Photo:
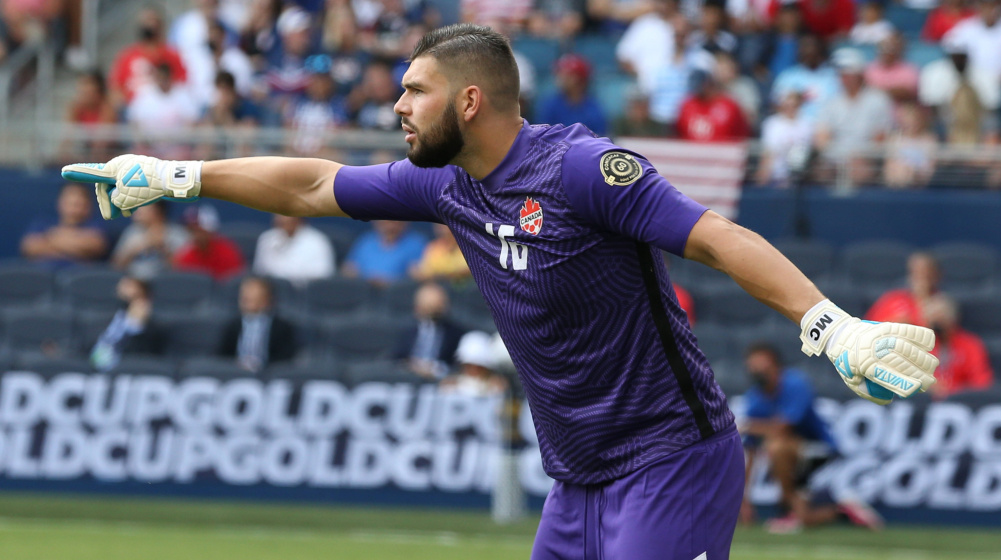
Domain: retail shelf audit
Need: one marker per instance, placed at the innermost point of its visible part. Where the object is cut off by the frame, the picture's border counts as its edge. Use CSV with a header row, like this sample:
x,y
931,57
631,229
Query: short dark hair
x,y
226,80
765,348
479,54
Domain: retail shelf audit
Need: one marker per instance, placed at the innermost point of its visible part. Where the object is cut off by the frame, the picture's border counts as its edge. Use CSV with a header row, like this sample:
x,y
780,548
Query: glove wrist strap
x,y
181,179
819,325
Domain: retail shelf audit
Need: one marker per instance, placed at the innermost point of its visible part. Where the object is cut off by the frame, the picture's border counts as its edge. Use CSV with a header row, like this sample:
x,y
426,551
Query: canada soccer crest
x,y
530,217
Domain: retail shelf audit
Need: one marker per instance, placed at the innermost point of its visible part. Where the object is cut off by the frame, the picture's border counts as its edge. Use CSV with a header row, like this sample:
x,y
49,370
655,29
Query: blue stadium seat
x,y
850,298
381,371
730,374
824,379
337,297
181,294
716,341
967,265
362,339
784,335
245,235
211,366
876,264
87,327
920,53
145,365
329,371
25,285
193,336
543,53
982,315
610,90
733,306
600,51
48,332
342,238
908,21
49,366
92,289
447,9
398,298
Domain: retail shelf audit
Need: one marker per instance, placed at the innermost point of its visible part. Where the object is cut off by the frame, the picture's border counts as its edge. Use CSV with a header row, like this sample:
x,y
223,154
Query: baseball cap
x,y
574,64
293,20
201,215
849,60
476,348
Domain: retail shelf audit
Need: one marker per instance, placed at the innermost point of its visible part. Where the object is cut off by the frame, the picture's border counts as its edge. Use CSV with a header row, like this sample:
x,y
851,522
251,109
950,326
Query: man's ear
x,y
469,102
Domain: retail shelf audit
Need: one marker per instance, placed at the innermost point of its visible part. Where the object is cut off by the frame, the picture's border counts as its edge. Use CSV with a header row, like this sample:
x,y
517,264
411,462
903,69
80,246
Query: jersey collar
x,y
496,178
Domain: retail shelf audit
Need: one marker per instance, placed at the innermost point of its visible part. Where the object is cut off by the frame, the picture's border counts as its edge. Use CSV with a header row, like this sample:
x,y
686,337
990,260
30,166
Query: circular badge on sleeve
x,y
619,168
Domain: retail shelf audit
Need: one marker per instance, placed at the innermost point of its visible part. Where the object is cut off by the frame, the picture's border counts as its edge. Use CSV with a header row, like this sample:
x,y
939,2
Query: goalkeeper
x,y
564,235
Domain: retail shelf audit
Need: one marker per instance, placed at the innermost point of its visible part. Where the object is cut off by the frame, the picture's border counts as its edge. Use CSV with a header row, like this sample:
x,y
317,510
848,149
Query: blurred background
x,y
205,380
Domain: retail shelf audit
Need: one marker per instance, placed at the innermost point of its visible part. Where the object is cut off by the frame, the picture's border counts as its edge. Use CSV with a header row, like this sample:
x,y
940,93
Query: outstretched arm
x,y
758,267
280,185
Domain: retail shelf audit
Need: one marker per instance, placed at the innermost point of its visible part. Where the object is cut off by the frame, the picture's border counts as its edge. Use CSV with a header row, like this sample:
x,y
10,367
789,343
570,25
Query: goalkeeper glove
x,y
130,181
875,360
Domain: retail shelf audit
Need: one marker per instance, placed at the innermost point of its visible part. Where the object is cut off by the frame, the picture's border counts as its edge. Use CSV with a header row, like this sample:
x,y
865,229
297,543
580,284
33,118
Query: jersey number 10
x,y
519,252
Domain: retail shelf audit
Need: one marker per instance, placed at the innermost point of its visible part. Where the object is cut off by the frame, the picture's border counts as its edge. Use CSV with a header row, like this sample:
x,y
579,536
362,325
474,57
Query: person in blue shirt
x,y
572,103
782,421
73,236
385,254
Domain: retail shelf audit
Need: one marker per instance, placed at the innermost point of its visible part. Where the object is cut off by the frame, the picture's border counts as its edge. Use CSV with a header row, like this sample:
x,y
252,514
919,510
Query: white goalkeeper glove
x,y
130,181
875,360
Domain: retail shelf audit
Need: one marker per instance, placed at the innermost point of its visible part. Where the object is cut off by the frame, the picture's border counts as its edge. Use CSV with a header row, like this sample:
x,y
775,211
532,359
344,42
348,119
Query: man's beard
x,y
441,143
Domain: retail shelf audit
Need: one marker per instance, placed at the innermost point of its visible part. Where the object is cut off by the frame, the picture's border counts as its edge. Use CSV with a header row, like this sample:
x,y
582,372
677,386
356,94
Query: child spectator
x,y
872,28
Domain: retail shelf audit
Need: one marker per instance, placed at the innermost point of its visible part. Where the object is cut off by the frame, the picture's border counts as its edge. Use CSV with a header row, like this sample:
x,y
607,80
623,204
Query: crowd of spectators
x,y
801,75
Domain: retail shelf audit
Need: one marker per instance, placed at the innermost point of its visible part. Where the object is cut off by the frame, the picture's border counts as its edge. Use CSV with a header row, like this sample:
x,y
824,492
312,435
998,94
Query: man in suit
x,y
131,330
258,337
429,345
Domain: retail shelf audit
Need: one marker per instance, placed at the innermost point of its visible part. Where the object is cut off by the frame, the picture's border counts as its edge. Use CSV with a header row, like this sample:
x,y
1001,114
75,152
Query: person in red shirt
x,y
686,302
829,19
207,251
709,115
905,305
963,359
133,67
942,18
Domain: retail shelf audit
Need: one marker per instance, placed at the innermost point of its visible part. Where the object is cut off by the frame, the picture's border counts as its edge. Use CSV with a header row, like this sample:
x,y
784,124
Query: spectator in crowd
x,y
785,134
72,237
258,337
780,44
963,359
477,361
572,102
214,56
649,43
287,75
131,330
341,39
134,66
911,151
857,117
871,28
958,93
738,87
943,17
90,106
371,102
207,251
982,37
671,82
686,302
259,34
892,74
26,21
295,251
147,246
315,116
229,109
384,254
711,35
558,19
163,108
442,259
828,20
429,344
612,15
709,115
783,422
906,305
812,77
636,118
190,32
509,17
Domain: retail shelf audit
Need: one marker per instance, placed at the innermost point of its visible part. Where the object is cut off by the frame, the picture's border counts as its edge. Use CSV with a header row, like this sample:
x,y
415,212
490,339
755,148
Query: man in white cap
x,y
478,359
855,118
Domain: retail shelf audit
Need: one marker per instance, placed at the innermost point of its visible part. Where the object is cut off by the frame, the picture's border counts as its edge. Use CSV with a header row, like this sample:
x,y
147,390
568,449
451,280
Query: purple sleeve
x,y
392,191
620,191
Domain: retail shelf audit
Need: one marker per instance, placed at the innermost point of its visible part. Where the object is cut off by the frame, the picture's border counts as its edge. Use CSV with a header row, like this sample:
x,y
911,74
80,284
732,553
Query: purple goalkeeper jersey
x,y
564,240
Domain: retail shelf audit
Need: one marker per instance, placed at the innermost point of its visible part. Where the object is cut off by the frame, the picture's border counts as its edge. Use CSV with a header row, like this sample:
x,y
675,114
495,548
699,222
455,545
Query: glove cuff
x,y
819,324
181,179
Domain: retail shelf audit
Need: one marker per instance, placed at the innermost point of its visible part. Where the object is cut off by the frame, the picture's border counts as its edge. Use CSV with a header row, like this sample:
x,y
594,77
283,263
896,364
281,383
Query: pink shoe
x,y
788,525
861,514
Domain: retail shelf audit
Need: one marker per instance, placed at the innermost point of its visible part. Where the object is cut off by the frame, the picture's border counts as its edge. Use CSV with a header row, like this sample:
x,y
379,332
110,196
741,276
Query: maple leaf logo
x,y
530,217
